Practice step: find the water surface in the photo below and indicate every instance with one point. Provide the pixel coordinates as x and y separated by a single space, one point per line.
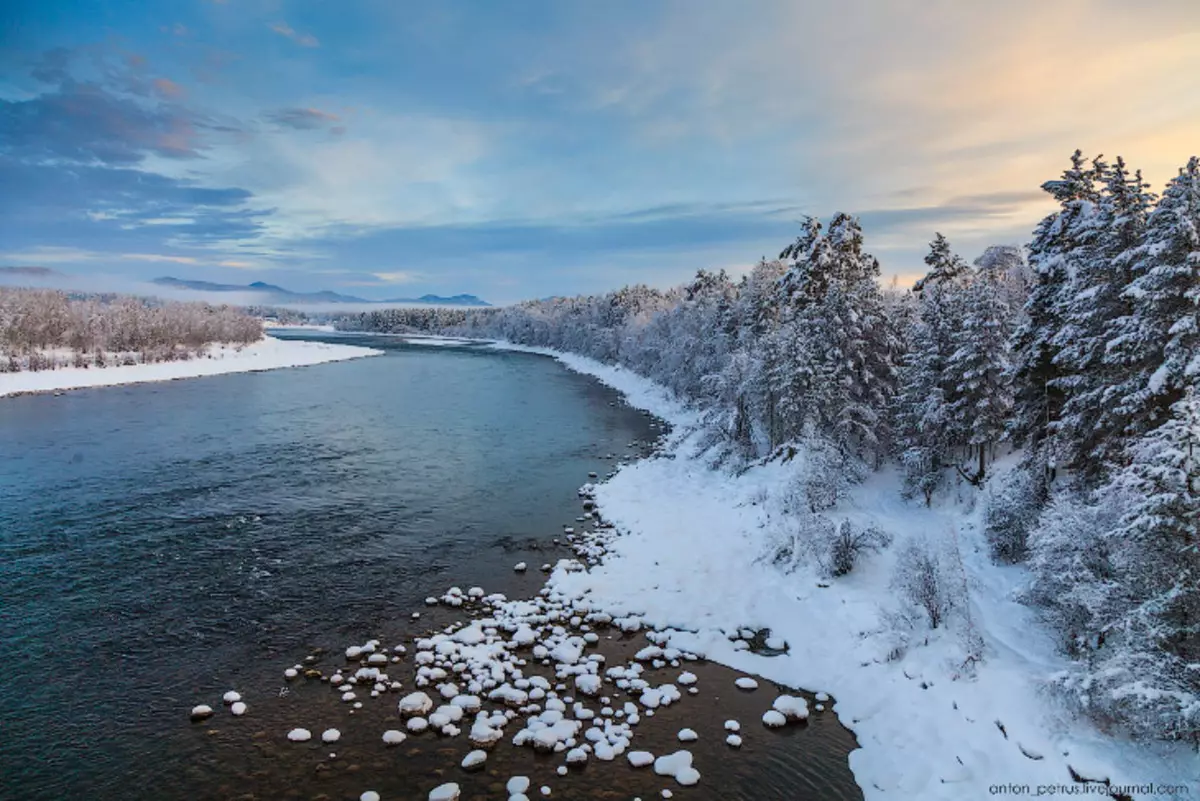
161 543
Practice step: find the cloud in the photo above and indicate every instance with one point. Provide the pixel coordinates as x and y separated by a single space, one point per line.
396 277
120 208
85 123
302 39
303 119
168 89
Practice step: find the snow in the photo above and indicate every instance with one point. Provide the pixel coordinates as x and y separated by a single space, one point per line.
734 741
201 711
237 708
688 735
299 735
445 792
745 682
925 719
791 707
640 759
474 759
678 766
330 736
517 785
417 703
232 697
393 737
267 354
773 719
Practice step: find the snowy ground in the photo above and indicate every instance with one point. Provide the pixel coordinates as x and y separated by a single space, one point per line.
694 558
268 354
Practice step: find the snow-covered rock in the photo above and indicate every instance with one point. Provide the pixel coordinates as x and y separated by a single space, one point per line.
773 719
417 703
299 735
445 792
793 708
679 766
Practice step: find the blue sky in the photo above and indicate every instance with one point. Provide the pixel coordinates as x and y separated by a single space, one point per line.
522 149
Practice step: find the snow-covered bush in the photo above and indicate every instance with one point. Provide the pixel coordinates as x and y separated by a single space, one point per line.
794 539
1012 510
844 545
922 580
827 474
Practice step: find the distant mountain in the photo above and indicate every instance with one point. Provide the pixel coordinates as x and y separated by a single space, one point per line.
453 300
277 295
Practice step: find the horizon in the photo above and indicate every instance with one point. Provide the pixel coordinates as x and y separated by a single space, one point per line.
566 149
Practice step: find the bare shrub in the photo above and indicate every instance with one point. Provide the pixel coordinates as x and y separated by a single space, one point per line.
922 580
846 544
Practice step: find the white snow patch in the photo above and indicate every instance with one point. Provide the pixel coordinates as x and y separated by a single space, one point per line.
267 354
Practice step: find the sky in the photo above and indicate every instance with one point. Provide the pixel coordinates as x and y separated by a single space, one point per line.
530 148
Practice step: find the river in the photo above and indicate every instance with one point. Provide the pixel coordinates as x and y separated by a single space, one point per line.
162 543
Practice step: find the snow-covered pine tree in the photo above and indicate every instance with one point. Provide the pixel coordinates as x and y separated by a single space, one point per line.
1091 428
1053 254
926 393
979 370
1159 342
1154 670
861 347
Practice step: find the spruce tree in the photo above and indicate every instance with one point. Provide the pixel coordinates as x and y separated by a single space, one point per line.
1091 430
1053 256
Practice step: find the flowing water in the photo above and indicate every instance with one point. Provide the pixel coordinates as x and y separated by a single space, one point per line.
162 543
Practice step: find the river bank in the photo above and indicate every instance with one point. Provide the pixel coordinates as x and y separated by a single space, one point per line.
951 713
267 354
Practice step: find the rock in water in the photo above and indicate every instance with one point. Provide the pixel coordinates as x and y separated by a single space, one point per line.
201 712
445 792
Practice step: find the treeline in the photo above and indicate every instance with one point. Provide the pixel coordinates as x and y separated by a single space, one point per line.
42 329
1084 355
402 320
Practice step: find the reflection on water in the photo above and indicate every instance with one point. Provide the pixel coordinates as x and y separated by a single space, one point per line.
162 543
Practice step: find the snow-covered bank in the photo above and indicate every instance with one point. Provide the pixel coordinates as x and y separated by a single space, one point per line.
695 557
267 354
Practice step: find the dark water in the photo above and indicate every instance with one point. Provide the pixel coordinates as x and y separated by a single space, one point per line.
162 543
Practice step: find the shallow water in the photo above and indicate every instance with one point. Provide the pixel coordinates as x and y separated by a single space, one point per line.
162 543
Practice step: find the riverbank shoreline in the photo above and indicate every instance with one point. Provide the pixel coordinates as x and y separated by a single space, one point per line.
934 718
269 353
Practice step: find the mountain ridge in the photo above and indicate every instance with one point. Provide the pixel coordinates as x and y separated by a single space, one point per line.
279 295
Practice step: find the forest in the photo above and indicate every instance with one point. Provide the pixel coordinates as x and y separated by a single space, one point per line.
1077 357
42 329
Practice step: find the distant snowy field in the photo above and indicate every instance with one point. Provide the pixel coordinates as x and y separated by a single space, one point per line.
695 557
267 354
